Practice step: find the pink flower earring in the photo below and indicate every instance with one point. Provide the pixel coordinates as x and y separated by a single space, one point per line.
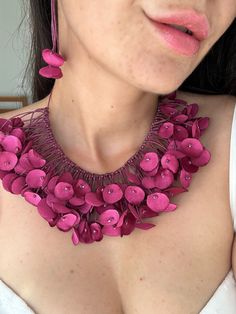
53 59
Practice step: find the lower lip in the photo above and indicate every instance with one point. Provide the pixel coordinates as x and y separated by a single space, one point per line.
180 42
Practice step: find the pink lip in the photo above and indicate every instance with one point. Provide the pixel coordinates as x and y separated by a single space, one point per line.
180 41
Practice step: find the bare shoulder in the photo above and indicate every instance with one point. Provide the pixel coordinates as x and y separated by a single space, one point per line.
33 106
211 103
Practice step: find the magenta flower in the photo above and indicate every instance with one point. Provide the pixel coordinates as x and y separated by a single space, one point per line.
157 202
128 224
45 211
18 184
169 161
63 191
7 181
180 133
203 159
166 130
35 178
164 179
109 217
149 162
67 221
32 198
112 193
134 194
191 147
81 188
185 178
188 166
96 231
8 160
112 231
12 144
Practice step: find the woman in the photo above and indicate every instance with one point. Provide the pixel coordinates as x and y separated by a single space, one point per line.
118 65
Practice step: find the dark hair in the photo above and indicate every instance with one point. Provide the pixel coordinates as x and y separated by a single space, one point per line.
216 74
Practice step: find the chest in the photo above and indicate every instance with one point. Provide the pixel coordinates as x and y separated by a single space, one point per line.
173 267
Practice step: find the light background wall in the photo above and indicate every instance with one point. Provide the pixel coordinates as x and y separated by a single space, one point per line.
14 49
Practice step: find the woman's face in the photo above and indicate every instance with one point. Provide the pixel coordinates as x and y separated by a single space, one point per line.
118 36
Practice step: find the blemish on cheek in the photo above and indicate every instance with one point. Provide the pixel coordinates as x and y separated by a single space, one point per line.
141 278
72 271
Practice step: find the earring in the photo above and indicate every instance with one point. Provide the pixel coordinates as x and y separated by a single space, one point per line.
53 59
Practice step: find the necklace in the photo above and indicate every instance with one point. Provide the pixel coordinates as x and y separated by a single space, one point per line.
33 165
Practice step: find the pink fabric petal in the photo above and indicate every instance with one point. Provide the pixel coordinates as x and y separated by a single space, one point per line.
18 184
111 231
145 226
75 237
36 159
203 123
191 147
66 177
76 201
187 164
169 161
134 194
32 198
82 188
192 110
164 179
196 132
185 178
166 130
93 199
18 132
168 110
66 222
52 183
171 207
85 208
63 191
174 190
203 159
112 193
8 160
60 208
180 133
149 162
51 72
25 162
109 217
157 201
121 220
128 224
146 212
85 233
180 118
35 178
148 182
52 58
45 211
133 211
7 181
12 144
96 231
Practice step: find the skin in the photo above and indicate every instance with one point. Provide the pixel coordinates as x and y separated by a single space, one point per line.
115 70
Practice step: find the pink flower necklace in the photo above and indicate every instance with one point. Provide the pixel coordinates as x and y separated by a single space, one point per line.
91 205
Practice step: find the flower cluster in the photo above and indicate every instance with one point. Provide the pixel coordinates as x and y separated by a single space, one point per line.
116 208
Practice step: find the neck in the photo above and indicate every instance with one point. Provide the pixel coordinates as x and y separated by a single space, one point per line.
99 114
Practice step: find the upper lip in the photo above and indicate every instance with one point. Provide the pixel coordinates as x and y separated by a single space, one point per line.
197 23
